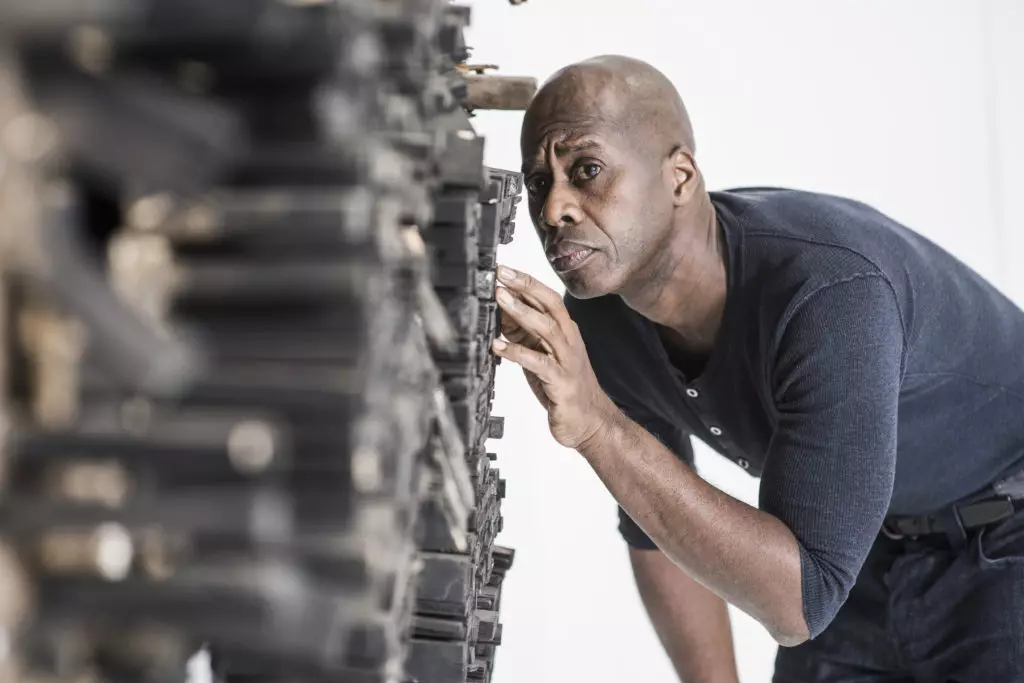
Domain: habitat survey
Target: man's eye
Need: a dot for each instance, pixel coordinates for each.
(536, 185)
(587, 171)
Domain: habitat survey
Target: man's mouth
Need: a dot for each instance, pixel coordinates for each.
(571, 258)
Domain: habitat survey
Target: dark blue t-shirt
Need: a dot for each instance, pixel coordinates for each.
(860, 371)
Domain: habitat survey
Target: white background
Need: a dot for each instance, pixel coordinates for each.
(916, 107)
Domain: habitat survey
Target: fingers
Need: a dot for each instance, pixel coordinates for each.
(514, 332)
(535, 291)
(539, 324)
(542, 365)
(509, 325)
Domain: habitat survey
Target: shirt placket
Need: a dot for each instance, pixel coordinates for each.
(698, 405)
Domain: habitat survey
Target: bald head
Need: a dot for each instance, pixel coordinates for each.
(615, 93)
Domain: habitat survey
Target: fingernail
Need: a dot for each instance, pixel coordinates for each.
(506, 274)
(504, 296)
(499, 345)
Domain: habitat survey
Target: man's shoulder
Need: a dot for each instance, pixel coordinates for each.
(802, 216)
(787, 237)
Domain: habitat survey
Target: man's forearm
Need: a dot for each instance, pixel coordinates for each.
(744, 555)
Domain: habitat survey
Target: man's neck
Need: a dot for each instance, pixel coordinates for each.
(684, 284)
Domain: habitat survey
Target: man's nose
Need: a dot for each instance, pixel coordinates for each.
(561, 207)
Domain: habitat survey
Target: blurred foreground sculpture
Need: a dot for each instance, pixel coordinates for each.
(247, 254)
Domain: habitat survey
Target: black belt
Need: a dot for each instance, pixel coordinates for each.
(964, 517)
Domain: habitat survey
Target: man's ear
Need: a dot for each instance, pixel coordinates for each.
(684, 175)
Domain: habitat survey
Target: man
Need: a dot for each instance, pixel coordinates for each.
(872, 381)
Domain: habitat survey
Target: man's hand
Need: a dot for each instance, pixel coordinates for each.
(541, 338)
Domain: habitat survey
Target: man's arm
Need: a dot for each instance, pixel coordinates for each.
(692, 623)
(828, 471)
(827, 478)
(744, 555)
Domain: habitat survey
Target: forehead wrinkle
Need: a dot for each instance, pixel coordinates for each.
(569, 135)
(567, 130)
(569, 147)
(563, 145)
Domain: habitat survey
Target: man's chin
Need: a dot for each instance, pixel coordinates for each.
(583, 285)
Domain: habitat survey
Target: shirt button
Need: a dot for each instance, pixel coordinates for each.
(692, 393)
(716, 431)
(743, 463)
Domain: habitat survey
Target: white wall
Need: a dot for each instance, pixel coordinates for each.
(1004, 23)
(913, 106)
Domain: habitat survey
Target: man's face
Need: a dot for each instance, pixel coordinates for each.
(599, 204)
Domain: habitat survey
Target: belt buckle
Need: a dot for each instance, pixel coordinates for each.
(986, 512)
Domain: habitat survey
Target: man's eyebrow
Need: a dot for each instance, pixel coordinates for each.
(564, 148)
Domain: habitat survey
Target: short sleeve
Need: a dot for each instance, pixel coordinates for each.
(830, 465)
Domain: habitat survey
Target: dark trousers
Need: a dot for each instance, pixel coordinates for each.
(925, 611)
